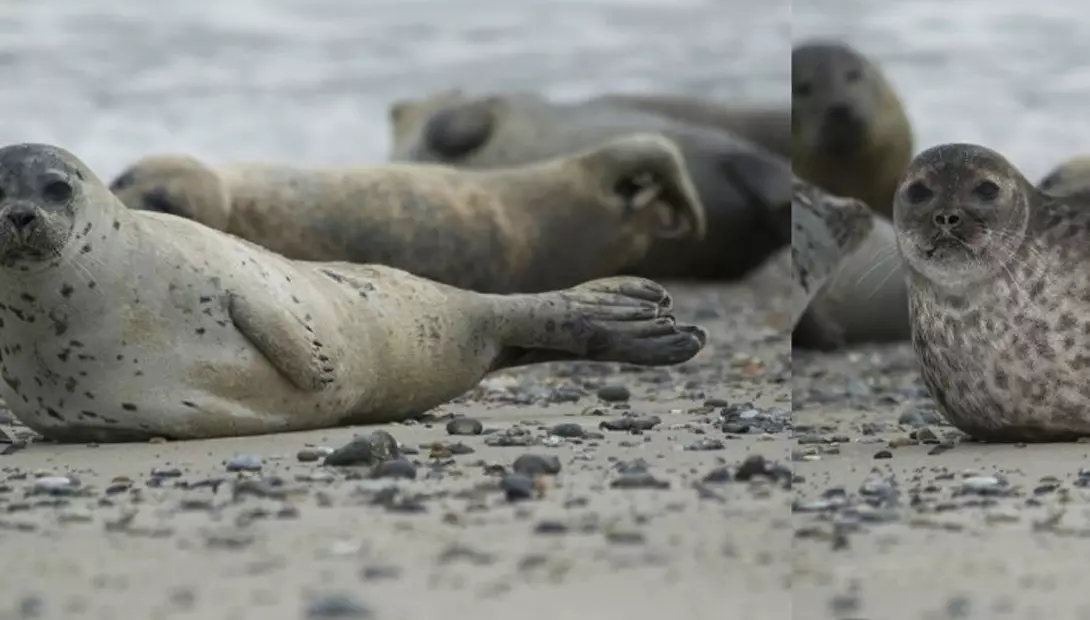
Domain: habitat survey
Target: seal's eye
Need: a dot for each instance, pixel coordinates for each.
(57, 191)
(986, 191)
(853, 75)
(918, 193)
(802, 89)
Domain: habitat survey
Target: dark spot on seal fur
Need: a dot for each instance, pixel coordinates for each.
(85, 249)
(128, 406)
(67, 290)
(53, 413)
(200, 331)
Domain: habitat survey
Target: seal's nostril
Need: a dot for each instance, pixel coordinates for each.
(947, 221)
(21, 216)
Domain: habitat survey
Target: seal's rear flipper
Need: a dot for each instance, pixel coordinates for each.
(620, 319)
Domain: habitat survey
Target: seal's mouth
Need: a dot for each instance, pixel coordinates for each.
(842, 133)
(945, 244)
(644, 192)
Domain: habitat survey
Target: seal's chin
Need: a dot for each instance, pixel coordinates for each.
(842, 136)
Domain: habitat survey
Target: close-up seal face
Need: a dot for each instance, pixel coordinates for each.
(961, 213)
(39, 192)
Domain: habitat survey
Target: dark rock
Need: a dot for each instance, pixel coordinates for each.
(371, 449)
(569, 430)
(464, 426)
(517, 487)
(643, 480)
(536, 465)
(321, 606)
(244, 462)
(397, 468)
(613, 393)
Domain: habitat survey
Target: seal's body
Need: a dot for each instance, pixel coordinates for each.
(532, 228)
(999, 298)
(1071, 177)
(766, 126)
(745, 189)
(118, 324)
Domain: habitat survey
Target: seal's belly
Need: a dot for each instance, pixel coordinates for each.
(146, 374)
(1014, 370)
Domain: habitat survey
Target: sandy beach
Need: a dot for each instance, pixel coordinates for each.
(657, 509)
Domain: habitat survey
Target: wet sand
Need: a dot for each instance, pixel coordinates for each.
(897, 515)
(164, 530)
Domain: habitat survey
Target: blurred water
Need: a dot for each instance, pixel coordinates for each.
(309, 81)
(1010, 74)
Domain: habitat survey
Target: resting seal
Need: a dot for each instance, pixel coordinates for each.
(825, 230)
(998, 292)
(1069, 178)
(118, 324)
(766, 126)
(533, 228)
(744, 188)
(852, 138)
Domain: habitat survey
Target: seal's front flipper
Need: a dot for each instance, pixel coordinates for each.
(621, 319)
(284, 339)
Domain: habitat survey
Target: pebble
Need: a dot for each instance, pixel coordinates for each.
(56, 485)
(706, 444)
(883, 454)
(568, 430)
(335, 605)
(313, 453)
(397, 468)
(983, 485)
(166, 472)
(630, 423)
(639, 480)
(370, 449)
(517, 487)
(464, 426)
(613, 393)
(244, 462)
(536, 465)
(719, 475)
(515, 436)
(551, 526)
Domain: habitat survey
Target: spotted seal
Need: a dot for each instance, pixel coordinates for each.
(998, 295)
(531, 228)
(745, 188)
(118, 324)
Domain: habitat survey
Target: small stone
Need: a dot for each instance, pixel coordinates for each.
(379, 571)
(517, 487)
(244, 462)
(719, 475)
(568, 430)
(982, 485)
(631, 423)
(625, 536)
(371, 449)
(925, 435)
(883, 454)
(166, 472)
(716, 402)
(464, 426)
(55, 485)
(510, 437)
(536, 465)
(613, 393)
(397, 468)
(706, 444)
(335, 605)
(551, 526)
(642, 480)
(313, 453)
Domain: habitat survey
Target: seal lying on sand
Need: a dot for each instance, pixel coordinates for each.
(825, 230)
(118, 324)
(744, 188)
(533, 228)
(852, 138)
(999, 296)
(766, 126)
(1070, 177)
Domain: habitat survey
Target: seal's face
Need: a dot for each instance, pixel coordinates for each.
(961, 213)
(176, 185)
(40, 187)
(834, 94)
(1069, 178)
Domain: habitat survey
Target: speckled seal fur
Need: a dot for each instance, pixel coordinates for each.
(532, 228)
(852, 138)
(745, 188)
(825, 229)
(999, 295)
(1070, 177)
(118, 324)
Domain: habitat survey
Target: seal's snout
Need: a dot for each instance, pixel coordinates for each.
(947, 221)
(21, 216)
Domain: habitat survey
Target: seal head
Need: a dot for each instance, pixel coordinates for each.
(833, 83)
(961, 213)
(177, 185)
(39, 188)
